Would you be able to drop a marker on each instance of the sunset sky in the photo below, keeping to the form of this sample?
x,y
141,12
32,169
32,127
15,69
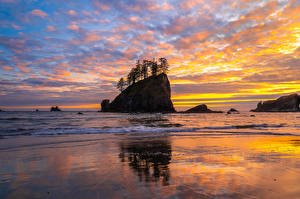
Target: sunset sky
x,y
222,53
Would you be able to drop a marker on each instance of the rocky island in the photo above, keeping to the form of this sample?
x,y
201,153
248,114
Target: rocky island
x,y
55,108
201,109
148,91
152,94
288,103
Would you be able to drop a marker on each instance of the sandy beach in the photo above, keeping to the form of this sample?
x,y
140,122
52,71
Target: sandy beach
x,y
136,165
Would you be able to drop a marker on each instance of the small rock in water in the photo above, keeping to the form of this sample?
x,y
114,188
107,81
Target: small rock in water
x,y
252,115
232,110
79,113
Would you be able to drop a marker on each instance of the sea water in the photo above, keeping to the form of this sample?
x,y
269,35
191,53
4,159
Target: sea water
x,y
57,123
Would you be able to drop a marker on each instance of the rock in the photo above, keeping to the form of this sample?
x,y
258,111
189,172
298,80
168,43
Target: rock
x,y
149,95
233,111
288,103
55,108
1,110
201,109
79,113
252,115
105,105
36,110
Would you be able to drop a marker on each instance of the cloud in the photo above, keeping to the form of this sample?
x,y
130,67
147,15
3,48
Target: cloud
x,y
222,49
50,29
7,68
16,27
73,27
39,13
72,12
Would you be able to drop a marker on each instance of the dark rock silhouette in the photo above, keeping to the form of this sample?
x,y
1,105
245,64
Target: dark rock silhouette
x,y
201,109
149,95
233,111
1,110
55,108
79,113
36,110
288,103
105,105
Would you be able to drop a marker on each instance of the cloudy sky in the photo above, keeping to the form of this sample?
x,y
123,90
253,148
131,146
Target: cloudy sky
x,y
223,53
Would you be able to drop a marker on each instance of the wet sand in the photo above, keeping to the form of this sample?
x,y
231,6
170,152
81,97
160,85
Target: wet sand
x,y
137,165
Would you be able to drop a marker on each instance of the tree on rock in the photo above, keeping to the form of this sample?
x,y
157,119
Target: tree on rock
x,y
163,66
121,84
144,70
154,68
138,70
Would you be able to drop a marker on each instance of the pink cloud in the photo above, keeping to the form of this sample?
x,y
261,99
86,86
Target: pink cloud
x,y
50,29
101,6
73,27
7,68
72,12
39,13
16,27
8,1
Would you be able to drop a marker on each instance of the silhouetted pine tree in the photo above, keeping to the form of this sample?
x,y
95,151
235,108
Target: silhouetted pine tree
x,y
145,69
121,84
163,65
154,67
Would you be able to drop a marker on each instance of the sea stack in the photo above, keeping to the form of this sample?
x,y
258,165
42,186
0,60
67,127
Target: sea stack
x,y
55,108
201,109
152,94
288,103
233,111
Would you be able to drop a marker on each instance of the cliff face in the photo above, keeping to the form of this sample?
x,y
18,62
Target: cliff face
x,y
148,95
288,103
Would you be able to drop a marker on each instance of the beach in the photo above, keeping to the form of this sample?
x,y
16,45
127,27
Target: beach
x,y
163,163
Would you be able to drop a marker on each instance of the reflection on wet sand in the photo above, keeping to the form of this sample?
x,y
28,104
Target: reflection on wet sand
x,y
143,166
149,159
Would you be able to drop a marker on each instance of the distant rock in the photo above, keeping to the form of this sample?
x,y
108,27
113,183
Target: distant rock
x,y
1,110
149,95
201,109
36,110
233,111
288,103
55,108
79,113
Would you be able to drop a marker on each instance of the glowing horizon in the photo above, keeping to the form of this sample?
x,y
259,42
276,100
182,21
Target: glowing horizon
x,y
221,53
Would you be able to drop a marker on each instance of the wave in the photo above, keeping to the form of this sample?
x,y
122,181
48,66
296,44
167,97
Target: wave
x,y
247,126
134,129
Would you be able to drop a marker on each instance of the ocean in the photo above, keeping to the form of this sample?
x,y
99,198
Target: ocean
x,y
118,155
60,123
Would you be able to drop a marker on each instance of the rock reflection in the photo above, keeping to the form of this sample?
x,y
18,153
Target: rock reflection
x,y
149,159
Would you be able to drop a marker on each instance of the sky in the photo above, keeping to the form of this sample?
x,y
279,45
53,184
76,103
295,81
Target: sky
x,y
221,53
